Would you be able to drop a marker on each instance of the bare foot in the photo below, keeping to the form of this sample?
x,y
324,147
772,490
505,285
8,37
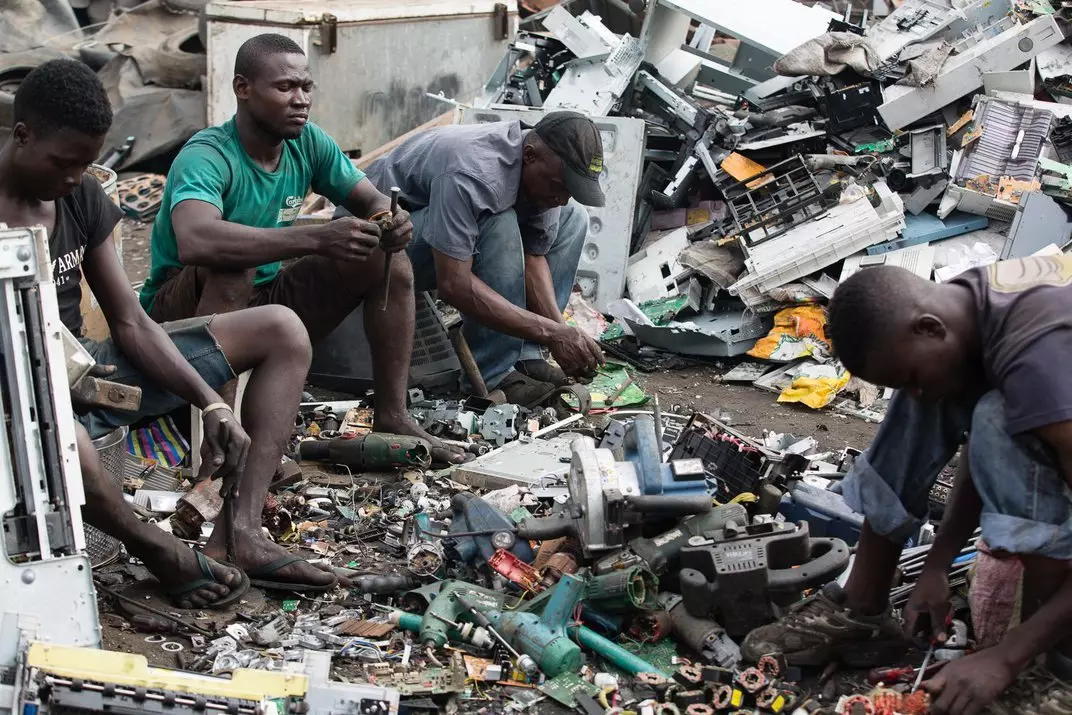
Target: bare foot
x,y
253,551
176,564
441,453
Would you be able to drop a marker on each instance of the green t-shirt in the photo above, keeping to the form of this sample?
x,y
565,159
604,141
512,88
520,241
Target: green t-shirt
x,y
214,168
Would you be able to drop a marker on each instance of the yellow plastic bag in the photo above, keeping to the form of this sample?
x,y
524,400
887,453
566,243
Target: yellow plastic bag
x,y
816,385
798,332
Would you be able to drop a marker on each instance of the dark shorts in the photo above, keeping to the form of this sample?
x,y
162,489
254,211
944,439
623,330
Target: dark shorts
x,y
194,340
310,286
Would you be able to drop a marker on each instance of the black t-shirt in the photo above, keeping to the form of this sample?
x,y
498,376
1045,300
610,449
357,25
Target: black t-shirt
x,y
84,220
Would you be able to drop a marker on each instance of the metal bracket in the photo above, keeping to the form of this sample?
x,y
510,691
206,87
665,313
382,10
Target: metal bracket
x,y
329,34
502,22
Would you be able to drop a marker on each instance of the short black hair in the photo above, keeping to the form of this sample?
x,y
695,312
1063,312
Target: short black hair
x,y
63,94
254,50
864,307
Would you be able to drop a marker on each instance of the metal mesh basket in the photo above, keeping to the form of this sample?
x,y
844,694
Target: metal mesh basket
x,y
111,448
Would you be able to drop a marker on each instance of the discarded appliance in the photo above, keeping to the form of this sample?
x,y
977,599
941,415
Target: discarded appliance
x,y
962,74
990,173
850,226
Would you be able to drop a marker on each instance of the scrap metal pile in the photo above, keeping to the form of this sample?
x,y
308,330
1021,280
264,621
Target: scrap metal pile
x,y
759,153
570,567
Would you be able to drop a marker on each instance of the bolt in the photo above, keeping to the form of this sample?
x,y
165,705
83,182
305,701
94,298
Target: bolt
x,y
23,253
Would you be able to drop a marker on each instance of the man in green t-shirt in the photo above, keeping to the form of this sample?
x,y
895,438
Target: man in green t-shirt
x,y
225,226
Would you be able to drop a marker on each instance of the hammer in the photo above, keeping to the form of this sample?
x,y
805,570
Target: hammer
x,y
395,191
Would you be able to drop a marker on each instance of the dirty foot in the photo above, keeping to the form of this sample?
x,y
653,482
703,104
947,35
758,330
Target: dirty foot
x,y
441,453
182,573
267,562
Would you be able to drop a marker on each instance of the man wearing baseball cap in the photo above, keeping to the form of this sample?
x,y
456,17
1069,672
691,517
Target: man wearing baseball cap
x,y
496,233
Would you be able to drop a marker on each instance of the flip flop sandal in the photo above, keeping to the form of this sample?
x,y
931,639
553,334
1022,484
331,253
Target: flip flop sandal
x,y
175,595
256,577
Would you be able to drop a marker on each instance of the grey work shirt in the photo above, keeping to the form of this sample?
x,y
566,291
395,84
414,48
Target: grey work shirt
x,y
1025,325
461,173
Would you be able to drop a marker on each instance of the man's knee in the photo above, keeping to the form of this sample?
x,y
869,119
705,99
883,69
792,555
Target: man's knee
x,y
502,222
401,273
988,418
284,331
573,223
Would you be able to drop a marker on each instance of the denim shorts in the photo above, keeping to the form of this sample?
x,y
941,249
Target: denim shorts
x,y
1027,504
196,343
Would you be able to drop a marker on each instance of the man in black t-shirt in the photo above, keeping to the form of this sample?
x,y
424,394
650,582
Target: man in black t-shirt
x,y
980,361
61,117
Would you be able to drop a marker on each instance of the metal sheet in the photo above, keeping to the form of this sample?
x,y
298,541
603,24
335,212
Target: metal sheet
x,y
524,463
373,88
927,227
601,272
1039,222
288,12
751,22
918,259
724,334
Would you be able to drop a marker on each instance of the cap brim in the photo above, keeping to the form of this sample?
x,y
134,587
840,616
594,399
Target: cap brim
x,y
584,190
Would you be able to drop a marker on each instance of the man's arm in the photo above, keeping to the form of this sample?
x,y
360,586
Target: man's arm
x,y
459,286
930,598
204,238
540,288
141,340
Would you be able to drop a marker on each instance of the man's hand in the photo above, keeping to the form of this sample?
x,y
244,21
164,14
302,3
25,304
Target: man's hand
x,y
575,352
968,685
400,233
224,449
349,238
927,609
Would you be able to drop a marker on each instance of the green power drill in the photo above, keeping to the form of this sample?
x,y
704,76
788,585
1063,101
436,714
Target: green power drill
x,y
375,450
445,608
544,636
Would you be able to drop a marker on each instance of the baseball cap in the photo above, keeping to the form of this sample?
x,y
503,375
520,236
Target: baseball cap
x,y
576,140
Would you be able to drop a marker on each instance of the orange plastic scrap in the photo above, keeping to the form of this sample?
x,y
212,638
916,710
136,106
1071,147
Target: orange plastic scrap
x,y
741,167
960,123
803,325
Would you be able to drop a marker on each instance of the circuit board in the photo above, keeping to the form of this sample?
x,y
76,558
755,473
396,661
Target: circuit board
x,y
415,681
563,688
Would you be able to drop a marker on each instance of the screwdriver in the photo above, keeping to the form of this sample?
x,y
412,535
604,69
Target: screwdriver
x,y
525,662
395,191
929,655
